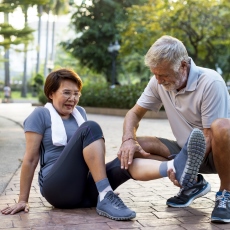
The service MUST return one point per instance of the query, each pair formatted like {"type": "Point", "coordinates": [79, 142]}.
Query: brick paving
{"type": "Point", "coordinates": [146, 198]}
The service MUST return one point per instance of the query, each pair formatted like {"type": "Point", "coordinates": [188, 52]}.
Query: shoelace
{"type": "Point", "coordinates": [179, 193]}
{"type": "Point", "coordinates": [223, 199]}
{"type": "Point", "coordinates": [115, 200]}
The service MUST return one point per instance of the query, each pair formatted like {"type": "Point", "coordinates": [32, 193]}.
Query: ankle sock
{"type": "Point", "coordinates": [103, 186]}
{"type": "Point", "coordinates": [165, 166]}
{"type": "Point", "coordinates": [187, 162]}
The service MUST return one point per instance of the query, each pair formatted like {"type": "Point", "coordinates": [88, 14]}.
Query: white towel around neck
{"type": "Point", "coordinates": [59, 136]}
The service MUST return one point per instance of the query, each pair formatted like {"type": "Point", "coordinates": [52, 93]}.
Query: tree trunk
{"type": "Point", "coordinates": [7, 57]}
{"type": "Point", "coordinates": [52, 57]}
{"type": "Point", "coordinates": [40, 10]}
{"type": "Point", "coordinates": [47, 46]}
{"type": "Point", "coordinates": [24, 80]}
{"type": "Point", "coordinates": [7, 66]}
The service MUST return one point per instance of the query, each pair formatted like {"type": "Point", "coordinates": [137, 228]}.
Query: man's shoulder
{"type": "Point", "coordinates": [210, 73]}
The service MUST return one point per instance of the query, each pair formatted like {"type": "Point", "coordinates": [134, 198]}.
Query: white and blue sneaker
{"type": "Point", "coordinates": [114, 208]}
{"type": "Point", "coordinates": [221, 211]}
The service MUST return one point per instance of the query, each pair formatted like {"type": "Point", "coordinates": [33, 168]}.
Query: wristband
{"type": "Point", "coordinates": [130, 138]}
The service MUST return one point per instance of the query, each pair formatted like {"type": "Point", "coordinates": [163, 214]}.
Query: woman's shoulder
{"type": "Point", "coordinates": [80, 108]}
{"type": "Point", "coordinates": [39, 113]}
{"type": "Point", "coordinates": [82, 111]}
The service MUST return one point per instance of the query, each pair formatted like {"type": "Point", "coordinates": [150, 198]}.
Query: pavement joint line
{"type": "Point", "coordinates": [16, 122]}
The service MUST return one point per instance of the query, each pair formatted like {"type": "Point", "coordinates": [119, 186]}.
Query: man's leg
{"type": "Point", "coordinates": [159, 151]}
{"type": "Point", "coordinates": [221, 153]}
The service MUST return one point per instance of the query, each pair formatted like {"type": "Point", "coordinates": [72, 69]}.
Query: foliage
{"type": "Point", "coordinates": [96, 27]}
{"type": "Point", "coordinates": [64, 59]}
{"type": "Point", "coordinates": [42, 98]}
{"type": "Point", "coordinates": [58, 7]}
{"type": "Point", "coordinates": [16, 3]}
{"type": "Point", "coordinates": [123, 97]}
{"type": "Point", "coordinates": [14, 36]}
{"type": "Point", "coordinates": [101, 95]}
{"type": "Point", "coordinates": [39, 80]}
{"type": "Point", "coordinates": [37, 83]}
{"type": "Point", "coordinates": [203, 26]}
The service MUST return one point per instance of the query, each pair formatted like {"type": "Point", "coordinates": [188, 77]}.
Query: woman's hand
{"type": "Point", "coordinates": [20, 206]}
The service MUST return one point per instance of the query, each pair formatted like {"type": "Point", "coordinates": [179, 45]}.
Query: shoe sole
{"type": "Point", "coordinates": [102, 213]}
{"type": "Point", "coordinates": [219, 220]}
{"type": "Point", "coordinates": [196, 149]}
{"type": "Point", "coordinates": [203, 192]}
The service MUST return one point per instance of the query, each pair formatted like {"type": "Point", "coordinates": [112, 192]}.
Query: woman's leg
{"type": "Point", "coordinates": [65, 184]}
{"type": "Point", "coordinates": [185, 165]}
{"type": "Point", "coordinates": [116, 176]}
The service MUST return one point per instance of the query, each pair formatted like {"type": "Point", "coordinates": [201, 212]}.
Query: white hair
{"type": "Point", "coordinates": [167, 49]}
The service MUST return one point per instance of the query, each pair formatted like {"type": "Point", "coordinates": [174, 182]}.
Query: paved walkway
{"type": "Point", "coordinates": [146, 198]}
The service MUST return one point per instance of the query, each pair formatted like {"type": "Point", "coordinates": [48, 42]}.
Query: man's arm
{"type": "Point", "coordinates": [129, 143]}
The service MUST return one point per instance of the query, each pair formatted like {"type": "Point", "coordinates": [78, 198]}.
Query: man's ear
{"type": "Point", "coordinates": [184, 64]}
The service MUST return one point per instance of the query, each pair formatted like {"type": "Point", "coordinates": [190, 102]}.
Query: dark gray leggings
{"type": "Point", "coordinates": [69, 183]}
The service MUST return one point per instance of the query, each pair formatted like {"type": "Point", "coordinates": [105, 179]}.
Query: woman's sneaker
{"type": "Point", "coordinates": [221, 211]}
{"type": "Point", "coordinates": [114, 208]}
{"type": "Point", "coordinates": [185, 197]}
{"type": "Point", "coordinates": [187, 162]}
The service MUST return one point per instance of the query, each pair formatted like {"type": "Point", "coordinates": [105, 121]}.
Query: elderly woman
{"type": "Point", "coordinates": [72, 154]}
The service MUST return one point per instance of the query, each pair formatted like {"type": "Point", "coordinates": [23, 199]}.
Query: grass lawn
{"type": "Point", "coordinates": [17, 95]}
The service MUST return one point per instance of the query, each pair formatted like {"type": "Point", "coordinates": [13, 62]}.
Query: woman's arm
{"type": "Point", "coordinates": [30, 161]}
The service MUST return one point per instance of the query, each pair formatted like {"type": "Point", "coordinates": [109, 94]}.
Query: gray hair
{"type": "Point", "coordinates": [167, 49]}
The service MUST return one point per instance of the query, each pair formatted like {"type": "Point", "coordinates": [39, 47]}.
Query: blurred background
{"type": "Point", "coordinates": [104, 41]}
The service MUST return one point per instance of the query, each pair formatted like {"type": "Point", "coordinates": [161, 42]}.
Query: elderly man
{"type": "Point", "coordinates": [193, 97]}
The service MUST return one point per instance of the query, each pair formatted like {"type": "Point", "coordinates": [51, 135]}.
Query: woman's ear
{"type": "Point", "coordinates": [51, 96]}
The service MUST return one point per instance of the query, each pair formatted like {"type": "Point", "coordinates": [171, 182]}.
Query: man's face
{"type": "Point", "coordinates": [170, 79]}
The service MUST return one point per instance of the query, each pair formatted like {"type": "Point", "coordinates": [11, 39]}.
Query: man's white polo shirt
{"type": "Point", "coordinates": [204, 99]}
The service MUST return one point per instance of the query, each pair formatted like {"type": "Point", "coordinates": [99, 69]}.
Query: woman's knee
{"type": "Point", "coordinates": [92, 125]}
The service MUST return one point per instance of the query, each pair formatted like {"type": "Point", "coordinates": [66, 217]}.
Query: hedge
{"type": "Point", "coordinates": [122, 97]}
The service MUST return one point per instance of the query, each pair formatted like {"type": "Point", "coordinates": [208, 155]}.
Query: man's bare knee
{"type": "Point", "coordinates": [221, 129]}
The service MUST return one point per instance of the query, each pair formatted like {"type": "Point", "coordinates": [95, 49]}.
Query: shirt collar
{"type": "Point", "coordinates": [192, 77]}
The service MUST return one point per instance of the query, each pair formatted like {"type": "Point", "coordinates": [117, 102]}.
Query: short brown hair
{"type": "Point", "coordinates": [54, 79]}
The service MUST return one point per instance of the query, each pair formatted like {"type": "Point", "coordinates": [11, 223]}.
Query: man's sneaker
{"type": "Point", "coordinates": [114, 208]}
{"type": "Point", "coordinates": [185, 197]}
{"type": "Point", "coordinates": [221, 211]}
{"type": "Point", "coordinates": [187, 162]}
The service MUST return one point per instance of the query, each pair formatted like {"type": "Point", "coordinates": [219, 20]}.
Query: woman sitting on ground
{"type": "Point", "coordinates": [69, 147]}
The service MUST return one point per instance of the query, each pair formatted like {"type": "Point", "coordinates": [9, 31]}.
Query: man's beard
{"type": "Point", "coordinates": [180, 80]}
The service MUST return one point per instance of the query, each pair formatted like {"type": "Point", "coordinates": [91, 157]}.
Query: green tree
{"type": "Point", "coordinates": [11, 36]}
{"type": "Point", "coordinates": [60, 7]}
{"type": "Point", "coordinates": [56, 7]}
{"type": "Point", "coordinates": [203, 26]}
{"type": "Point", "coordinates": [96, 28]}
{"type": "Point", "coordinates": [25, 4]}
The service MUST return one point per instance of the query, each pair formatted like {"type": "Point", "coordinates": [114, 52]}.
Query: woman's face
{"type": "Point", "coordinates": [65, 98]}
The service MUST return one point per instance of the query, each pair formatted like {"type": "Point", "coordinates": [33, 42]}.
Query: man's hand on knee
{"type": "Point", "coordinates": [126, 152]}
